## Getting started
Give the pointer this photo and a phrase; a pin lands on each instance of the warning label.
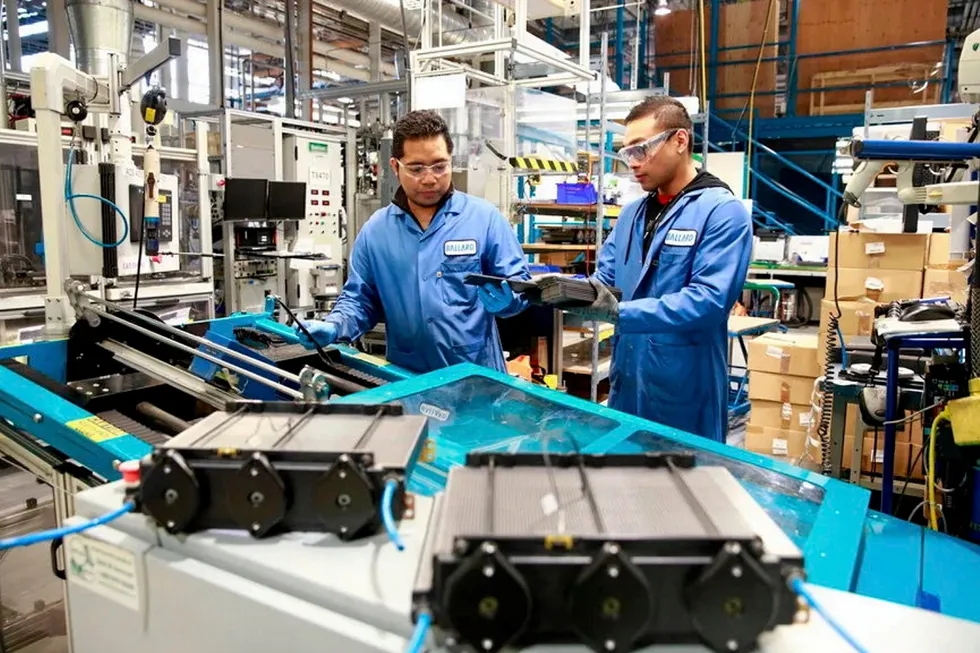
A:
(95, 429)
(105, 569)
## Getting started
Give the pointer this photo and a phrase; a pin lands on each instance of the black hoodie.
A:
(655, 210)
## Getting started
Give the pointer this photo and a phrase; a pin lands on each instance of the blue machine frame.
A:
(82, 436)
(847, 547)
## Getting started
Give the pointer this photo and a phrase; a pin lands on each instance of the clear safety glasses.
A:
(418, 170)
(640, 152)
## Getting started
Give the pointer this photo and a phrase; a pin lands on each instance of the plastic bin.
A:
(577, 194)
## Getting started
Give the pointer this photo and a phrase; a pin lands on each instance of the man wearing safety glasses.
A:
(680, 256)
(409, 261)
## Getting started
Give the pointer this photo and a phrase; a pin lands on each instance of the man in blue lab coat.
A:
(680, 256)
(410, 259)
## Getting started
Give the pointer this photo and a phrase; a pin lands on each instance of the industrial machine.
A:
(317, 283)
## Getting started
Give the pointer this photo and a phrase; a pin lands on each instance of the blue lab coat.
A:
(412, 280)
(670, 355)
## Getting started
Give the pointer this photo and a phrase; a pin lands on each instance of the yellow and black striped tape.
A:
(550, 165)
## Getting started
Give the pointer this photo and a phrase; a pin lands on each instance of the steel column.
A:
(289, 77)
(791, 72)
(58, 38)
(712, 89)
(620, 45)
(13, 36)
(600, 216)
(304, 23)
(643, 76)
(216, 53)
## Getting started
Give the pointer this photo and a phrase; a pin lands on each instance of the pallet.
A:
(870, 77)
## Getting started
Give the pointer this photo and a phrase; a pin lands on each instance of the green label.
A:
(318, 147)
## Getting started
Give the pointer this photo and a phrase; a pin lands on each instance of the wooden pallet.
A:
(822, 105)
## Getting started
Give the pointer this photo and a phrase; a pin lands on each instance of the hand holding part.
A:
(498, 299)
(322, 333)
(605, 308)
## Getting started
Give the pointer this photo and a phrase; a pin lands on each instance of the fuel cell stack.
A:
(614, 552)
(272, 467)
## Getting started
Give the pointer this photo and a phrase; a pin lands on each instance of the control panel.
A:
(122, 185)
(319, 163)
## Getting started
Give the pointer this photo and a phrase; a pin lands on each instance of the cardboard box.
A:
(856, 316)
(766, 386)
(774, 414)
(945, 283)
(893, 284)
(872, 459)
(878, 251)
(784, 353)
(939, 254)
(787, 444)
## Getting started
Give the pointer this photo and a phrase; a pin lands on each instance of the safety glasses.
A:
(418, 170)
(640, 152)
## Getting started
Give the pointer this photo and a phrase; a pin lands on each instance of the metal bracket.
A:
(313, 384)
(170, 49)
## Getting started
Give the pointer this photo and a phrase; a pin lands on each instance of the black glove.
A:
(605, 308)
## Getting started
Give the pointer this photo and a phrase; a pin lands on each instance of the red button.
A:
(130, 471)
(314, 202)
(314, 191)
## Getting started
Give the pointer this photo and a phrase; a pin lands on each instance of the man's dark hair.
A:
(669, 113)
(417, 125)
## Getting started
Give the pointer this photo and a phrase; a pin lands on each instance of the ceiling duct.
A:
(100, 28)
(455, 28)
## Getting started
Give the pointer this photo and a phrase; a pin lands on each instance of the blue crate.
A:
(577, 194)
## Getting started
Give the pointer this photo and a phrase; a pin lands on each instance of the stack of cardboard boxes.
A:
(871, 268)
(868, 268)
(782, 371)
(942, 276)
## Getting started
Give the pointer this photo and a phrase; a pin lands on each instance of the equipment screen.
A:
(245, 199)
(287, 200)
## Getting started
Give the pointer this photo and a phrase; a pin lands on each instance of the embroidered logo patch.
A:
(681, 237)
(460, 248)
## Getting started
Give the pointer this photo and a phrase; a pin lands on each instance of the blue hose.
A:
(55, 533)
(422, 625)
(800, 588)
(387, 516)
(70, 198)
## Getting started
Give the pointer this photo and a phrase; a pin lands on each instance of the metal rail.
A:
(258, 378)
(265, 367)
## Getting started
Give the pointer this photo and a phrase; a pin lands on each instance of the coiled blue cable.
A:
(798, 586)
(70, 198)
(422, 625)
(387, 514)
(55, 533)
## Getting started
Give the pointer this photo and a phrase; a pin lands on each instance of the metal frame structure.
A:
(19, 305)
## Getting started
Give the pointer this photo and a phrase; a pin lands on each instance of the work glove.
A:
(605, 308)
(498, 298)
(323, 334)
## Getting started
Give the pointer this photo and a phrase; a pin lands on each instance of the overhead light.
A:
(662, 9)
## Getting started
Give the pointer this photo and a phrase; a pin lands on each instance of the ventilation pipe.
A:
(100, 28)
